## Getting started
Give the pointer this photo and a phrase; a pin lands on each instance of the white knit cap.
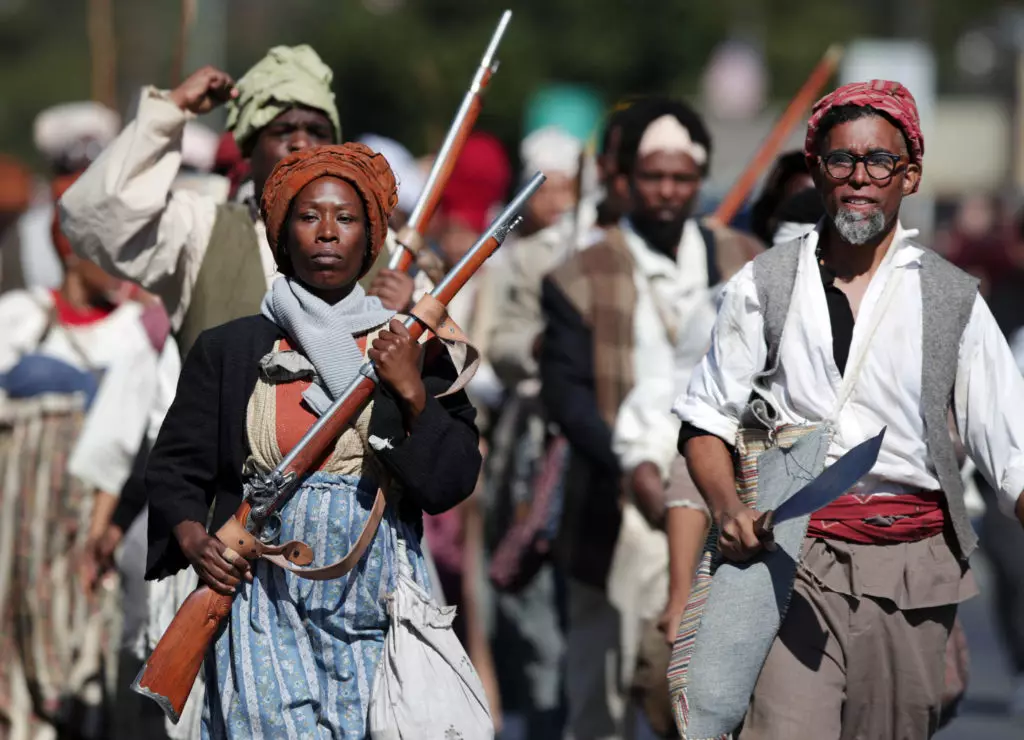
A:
(75, 130)
(667, 134)
(407, 171)
(550, 150)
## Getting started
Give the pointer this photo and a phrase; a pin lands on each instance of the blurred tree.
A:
(401, 66)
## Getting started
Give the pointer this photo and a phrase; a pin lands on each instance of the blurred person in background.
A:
(84, 378)
(230, 163)
(980, 239)
(15, 197)
(514, 341)
(862, 646)
(796, 215)
(184, 246)
(477, 189)
(787, 177)
(528, 638)
(557, 154)
(616, 311)
(69, 136)
(1001, 538)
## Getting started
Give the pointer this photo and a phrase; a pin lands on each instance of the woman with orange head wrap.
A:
(298, 658)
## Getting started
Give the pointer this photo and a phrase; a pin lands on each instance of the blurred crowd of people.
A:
(572, 562)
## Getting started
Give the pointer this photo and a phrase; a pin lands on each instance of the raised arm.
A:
(121, 212)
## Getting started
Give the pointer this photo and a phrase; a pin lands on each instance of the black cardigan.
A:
(197, 460)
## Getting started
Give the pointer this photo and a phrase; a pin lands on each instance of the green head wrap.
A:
(287, 76)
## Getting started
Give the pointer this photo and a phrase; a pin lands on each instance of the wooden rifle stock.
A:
(170, 672)
(168, 675)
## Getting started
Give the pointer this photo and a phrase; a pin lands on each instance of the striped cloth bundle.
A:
(749, 446)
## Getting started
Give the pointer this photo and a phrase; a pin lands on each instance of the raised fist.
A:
(204, 90)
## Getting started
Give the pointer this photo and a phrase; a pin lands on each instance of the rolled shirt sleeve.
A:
(989, 397)
(721, 383)
(645, 429)
(122, 214)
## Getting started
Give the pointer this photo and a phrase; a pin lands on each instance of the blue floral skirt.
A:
(298, 657)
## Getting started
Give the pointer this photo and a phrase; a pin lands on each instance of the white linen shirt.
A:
(645, 429)
(989, 390)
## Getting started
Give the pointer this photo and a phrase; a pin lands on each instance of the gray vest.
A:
(947, 297)
(230, 283)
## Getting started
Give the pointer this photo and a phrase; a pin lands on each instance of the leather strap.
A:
(430, 263)
(293, 554)
(411, 239)
(434, 315)
(426, 259)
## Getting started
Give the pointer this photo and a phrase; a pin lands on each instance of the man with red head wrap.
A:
(835, 625)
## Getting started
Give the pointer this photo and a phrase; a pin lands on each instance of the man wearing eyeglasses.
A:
(848, 329)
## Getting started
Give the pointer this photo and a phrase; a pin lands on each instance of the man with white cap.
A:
(69, 136)
(624, 317)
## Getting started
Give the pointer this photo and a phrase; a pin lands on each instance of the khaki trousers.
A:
(845, 668)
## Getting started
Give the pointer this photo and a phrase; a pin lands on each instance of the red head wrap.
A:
(230, 163)
(888, 97)
(356, 164)
(479, 181)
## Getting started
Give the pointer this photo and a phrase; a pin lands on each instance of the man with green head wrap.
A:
(207, 259)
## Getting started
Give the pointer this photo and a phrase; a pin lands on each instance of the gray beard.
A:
(857, 229)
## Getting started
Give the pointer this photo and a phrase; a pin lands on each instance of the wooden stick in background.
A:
(188, 17)
(793, 114)
(102, 52)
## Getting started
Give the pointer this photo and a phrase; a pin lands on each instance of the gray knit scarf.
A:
(324, 334)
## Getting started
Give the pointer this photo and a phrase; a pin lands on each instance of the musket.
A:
(168, 675)
(410, 237)
(803, 100)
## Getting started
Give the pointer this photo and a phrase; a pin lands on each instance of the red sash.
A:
(880, 519)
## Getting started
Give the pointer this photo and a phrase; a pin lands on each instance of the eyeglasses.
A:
(879, 165)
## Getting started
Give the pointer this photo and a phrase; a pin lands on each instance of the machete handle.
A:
(764, 526)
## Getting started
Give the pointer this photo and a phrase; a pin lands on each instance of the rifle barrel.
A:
(462, 124)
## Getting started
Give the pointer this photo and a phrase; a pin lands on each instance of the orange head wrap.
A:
(357, 164)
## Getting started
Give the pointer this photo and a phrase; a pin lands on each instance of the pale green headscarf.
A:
(287, 76)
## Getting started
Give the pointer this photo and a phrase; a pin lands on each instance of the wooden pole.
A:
(102, 52)
(793, 114)
(188, 16)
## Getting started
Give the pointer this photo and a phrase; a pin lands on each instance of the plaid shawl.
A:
(598, 281)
